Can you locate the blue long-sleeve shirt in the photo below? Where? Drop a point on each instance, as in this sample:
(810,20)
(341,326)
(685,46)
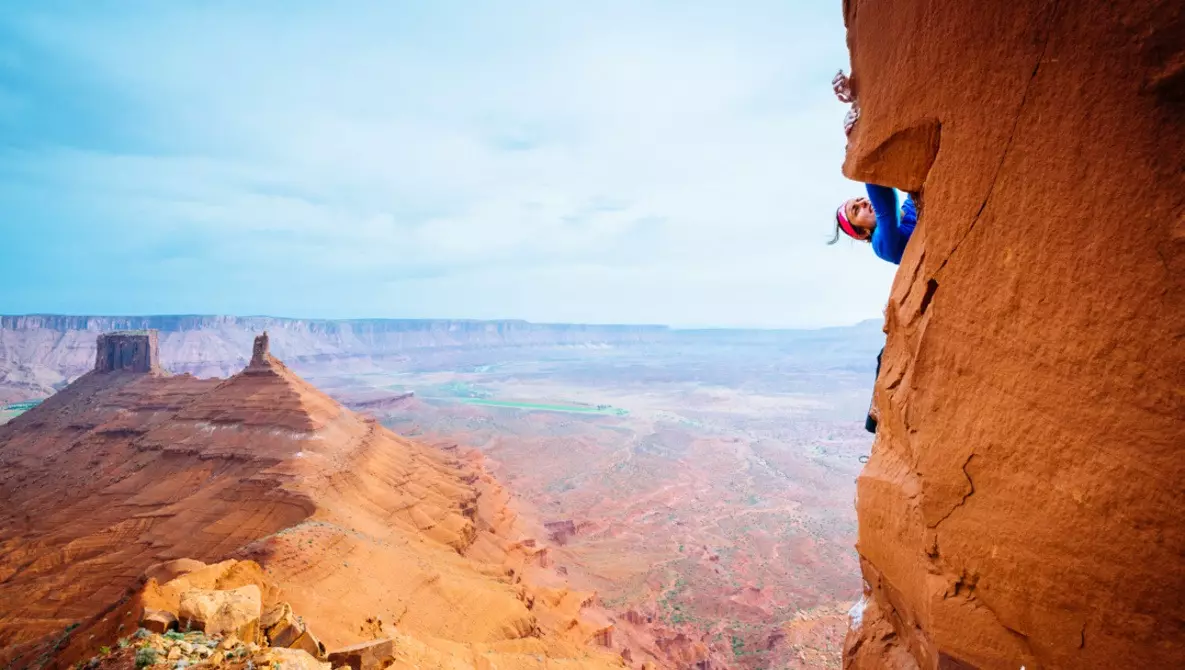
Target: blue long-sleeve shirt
(892,230)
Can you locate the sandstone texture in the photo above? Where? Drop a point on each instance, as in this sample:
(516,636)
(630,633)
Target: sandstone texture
(364,656)
(232,612)
(133,496)
(1022,503)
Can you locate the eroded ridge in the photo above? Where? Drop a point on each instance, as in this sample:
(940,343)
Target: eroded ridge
(366,534)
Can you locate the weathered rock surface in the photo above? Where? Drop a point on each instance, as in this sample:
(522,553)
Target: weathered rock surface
(1022,504)
(291,659)
(131,351)
(162,486)
(309,643)
(372,655)
(282,626)
(222,613)
(158,621)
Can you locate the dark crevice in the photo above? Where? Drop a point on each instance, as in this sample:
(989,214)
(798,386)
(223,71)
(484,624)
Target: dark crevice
(1011,135)
(931,289)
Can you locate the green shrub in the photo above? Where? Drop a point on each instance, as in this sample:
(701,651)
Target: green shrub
(104,650)
(145,656)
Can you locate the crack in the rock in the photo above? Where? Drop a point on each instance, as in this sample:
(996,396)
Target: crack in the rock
(965,495)
(931,289)
(917,268)
(1011,135)
(1163,261)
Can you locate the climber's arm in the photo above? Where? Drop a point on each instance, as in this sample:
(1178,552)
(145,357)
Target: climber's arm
(888,240)
(909,215)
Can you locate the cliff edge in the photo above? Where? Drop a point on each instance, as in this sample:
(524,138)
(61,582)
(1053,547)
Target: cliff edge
(1021,506)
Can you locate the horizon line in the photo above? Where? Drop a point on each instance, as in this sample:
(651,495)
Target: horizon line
(5,317)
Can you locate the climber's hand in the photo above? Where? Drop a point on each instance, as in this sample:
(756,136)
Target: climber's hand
(850,120)
(842,87)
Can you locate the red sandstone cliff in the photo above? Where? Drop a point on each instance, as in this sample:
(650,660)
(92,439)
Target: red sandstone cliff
(1022,504)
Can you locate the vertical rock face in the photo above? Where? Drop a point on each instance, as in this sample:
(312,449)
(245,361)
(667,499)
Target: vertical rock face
(260,352)
(1022,504)
(131,351)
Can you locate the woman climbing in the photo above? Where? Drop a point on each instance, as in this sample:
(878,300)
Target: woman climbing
(872,219)
(875,219)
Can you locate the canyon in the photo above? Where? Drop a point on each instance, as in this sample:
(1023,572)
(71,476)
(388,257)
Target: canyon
(503,494)
(365,533)
(710,506)
(709,510)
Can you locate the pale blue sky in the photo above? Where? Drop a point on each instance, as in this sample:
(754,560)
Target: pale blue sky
(657,162)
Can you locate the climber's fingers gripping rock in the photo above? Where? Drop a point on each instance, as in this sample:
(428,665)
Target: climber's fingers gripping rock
(842,87)
(849,120)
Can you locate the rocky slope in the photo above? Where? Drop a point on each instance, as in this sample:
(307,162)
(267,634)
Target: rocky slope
(365,533)
(1022,505)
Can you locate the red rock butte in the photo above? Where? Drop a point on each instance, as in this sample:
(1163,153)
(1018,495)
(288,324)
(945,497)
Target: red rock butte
(1022,502)
(130,351)
(365,533)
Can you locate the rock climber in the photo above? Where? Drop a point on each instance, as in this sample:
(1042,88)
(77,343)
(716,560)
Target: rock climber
(874,219)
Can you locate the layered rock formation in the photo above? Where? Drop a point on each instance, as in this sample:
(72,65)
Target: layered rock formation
(39,353)
(123,474)
(130,351)
(1022,504)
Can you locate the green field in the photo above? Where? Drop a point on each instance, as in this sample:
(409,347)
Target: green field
(581,409)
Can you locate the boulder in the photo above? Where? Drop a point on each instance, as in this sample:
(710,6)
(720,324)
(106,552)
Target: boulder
(309,642)
(158,621)
(282,626)
(274,615)
(288,659)
(372,655)
(234,612)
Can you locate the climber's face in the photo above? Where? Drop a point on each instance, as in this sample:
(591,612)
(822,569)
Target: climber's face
(861,216)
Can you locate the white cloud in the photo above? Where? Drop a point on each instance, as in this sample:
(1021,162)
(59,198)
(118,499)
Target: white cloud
(670,163)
